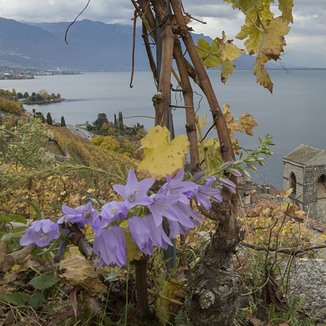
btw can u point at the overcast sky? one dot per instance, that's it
(307, 38)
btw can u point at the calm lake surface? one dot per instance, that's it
(295, 114)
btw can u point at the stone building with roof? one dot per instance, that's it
(304, 170)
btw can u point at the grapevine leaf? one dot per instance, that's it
(274, 38)
(254, 36)
(229, 51)
(203, 47)
(202, 122)
(248, 122)
(210, 54)
(232, 125)
(285, 6)
(226, 70)
(162, 156)
(262, 76)
(271, 47)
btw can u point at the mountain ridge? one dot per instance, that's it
(92, 46)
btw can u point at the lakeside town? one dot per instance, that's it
(12, 73)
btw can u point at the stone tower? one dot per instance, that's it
(304, 170)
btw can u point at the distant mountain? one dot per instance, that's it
(93, 46)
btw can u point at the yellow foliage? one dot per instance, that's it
(133, 252)
(161, 155)
(110, 143)
(247, 121)
(278, 226)
(221, 51)
(263, 33)
(285, 193)
(86, 153)
(209, 150)
(165, 306)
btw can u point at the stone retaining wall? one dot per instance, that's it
(308, 281)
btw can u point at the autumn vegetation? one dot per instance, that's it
(231, 269)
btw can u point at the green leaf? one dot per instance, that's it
(16, 298)
(247, 5)
(19, 229)
(201, 46)
(36, 300)
(212, 62)
(5, 219)
(43, 282)
(10, 218)
(210, 55)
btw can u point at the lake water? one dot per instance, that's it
(295, 113)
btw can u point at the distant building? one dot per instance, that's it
(304, 170)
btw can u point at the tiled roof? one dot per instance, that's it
(306, 155)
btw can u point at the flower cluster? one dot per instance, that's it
(144, 214)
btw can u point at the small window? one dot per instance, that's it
(293, 183)
(321, 187)
(322, 179)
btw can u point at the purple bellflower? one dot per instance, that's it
(41, 233)
(204, 192)
(186, 219)
(162, 206)
(198, 176)
(176, 228)
(158, 236)
(210, 179)
(111, 247)
(135, 193)
(81, 215)
(178, 188)
(226, 165)
(113, 210)
(231, 186)
(140, 234)
(236, 173)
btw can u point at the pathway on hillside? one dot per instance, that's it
(80, 132)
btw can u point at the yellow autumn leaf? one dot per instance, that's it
(79, 272)
(285, 193)
(168, 300)
(162, 156)
(201, 122)
(227, 115)
(274, 38)
(229, 51)
(271, 47)
(133, 252)
(226, 70)
(248, 122)
(262, 76)
(285, 6)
